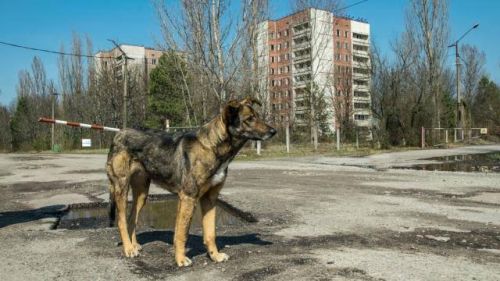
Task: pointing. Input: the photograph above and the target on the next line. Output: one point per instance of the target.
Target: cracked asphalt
(318, 218)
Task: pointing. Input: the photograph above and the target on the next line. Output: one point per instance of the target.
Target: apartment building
(313, 47)
(142, 59)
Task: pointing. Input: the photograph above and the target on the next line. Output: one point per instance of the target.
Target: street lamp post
(460, 114)
(54, 97)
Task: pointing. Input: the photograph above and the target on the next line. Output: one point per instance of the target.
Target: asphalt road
(319, 218)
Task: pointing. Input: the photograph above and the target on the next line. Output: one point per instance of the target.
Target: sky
(48, 24)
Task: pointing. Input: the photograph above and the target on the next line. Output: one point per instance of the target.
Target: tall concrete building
(313, 47)
(144, 59)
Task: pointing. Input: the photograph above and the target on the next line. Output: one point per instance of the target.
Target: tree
(5, 136)
(21, 136)
(486, 104)
(473, 69)
(166, 94)
(427, 21)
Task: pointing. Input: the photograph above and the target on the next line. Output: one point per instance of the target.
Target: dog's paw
(137, 246)
(182, 262)
(220, 257)
(131, 252)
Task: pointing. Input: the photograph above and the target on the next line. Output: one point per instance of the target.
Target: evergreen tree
(166, 92)
(19, 124)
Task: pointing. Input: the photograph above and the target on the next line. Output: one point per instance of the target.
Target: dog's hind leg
(119, 174)
(185, 211)
(140, 188)
(208, 202)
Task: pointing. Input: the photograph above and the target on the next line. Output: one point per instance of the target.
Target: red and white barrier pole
(77, 124)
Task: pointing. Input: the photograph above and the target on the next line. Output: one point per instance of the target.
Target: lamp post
(54, 97)
(457, 64)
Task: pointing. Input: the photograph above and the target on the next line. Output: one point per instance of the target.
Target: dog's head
(242, 121)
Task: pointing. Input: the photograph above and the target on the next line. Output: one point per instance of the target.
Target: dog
(194, 165)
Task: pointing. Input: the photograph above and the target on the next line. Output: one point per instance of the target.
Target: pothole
(158, 213)
(485, 162)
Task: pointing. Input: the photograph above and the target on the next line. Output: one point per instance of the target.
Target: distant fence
(442, 136)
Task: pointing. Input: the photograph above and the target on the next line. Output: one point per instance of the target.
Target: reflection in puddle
(486, 162)
(157, 214)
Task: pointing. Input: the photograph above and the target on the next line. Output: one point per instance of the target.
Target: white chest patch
(220, 175)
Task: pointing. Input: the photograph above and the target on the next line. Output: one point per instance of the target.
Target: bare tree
(210, 37)
(427, 20)
(474, 61)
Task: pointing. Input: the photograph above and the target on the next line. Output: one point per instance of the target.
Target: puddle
(158, 213)
(486, 162)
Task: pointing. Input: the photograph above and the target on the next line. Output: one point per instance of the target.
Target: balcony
(302, 58)
(301, 71)
(301, 45)
(363, 123)
(363, 65)
(299, 33)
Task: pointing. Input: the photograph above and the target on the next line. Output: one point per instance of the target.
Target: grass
(301, 150)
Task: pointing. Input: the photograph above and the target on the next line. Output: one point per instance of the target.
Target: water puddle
(158, 213)
(486, 162)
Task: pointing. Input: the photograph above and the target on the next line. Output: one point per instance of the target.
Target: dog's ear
(231, 110)
(250, 101)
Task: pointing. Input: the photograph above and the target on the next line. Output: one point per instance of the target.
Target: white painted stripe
(85, 125)
(61, 122)
(111, 129)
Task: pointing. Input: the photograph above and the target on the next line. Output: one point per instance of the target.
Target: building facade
(314, 51)
(142, 60)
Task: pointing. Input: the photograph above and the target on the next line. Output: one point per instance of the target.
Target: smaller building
(142, 59)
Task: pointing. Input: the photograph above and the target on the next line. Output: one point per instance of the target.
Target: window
(338, 45)
(272, 47)
(271, 35)
(346, 57)
(361, 117)
(272, 59)
(360, 94)
(286, 45)
(285, 81)
(361, 105)
(279, 58)
(346, 34)
(153, 61)
(272, 71)
(287, 56)
(338, 32)
(286, 32)
(279, 34)
(346, 46)
(287, 68)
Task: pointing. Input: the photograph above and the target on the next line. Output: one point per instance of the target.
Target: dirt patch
(260, 273)
(30, 158)
(92, 171)
(38, 166)
(354, 273)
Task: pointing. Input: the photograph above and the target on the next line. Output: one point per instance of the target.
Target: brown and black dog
(193, 165)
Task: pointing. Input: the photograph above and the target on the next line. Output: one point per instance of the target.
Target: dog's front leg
(208, 202)
(185, 211)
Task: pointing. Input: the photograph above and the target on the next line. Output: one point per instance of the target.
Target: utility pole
(125, 82)
(460, 113)
(54, 97)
